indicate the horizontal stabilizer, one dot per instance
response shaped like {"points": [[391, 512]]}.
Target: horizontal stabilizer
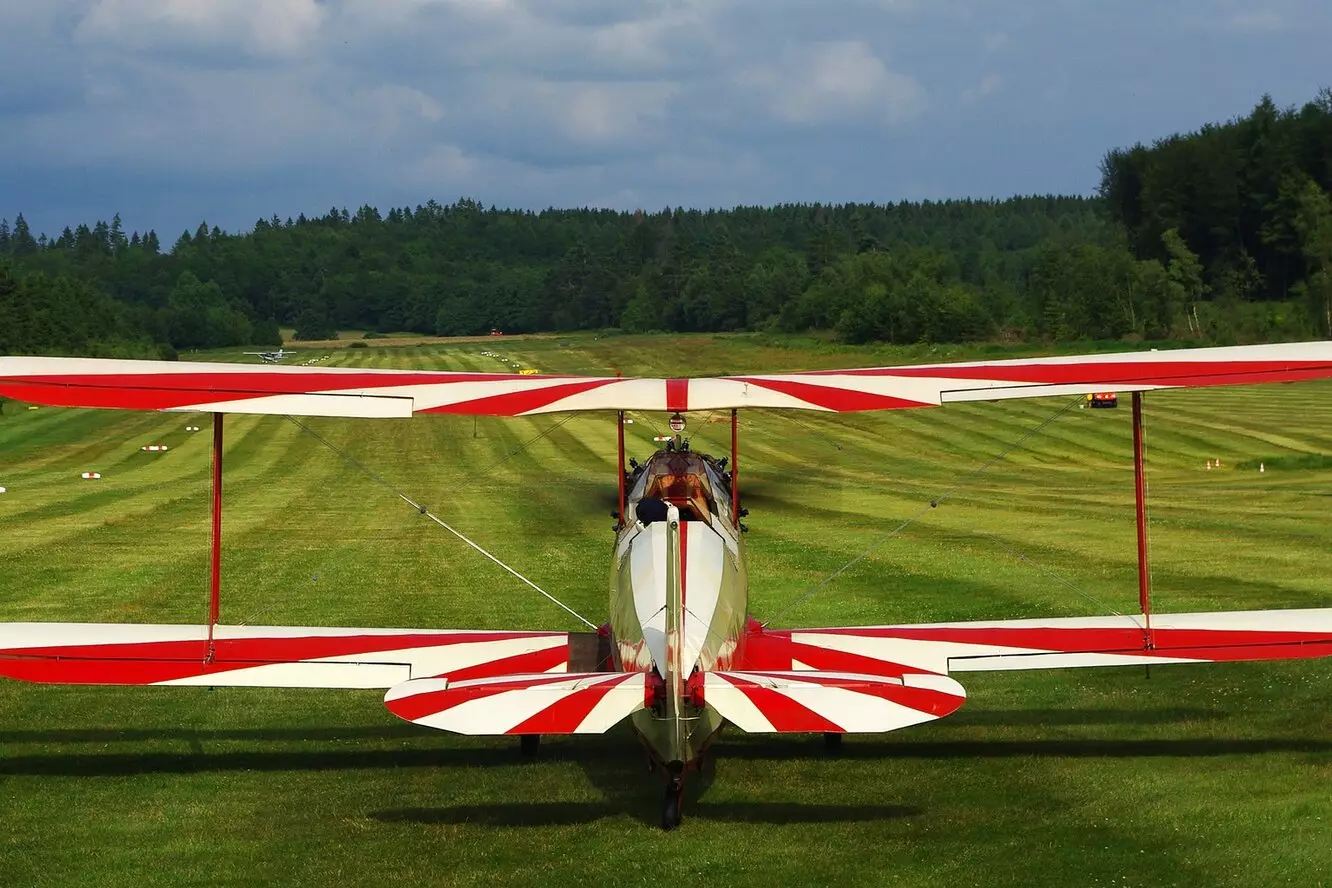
{"points": [[567, 703], [832, 702]]}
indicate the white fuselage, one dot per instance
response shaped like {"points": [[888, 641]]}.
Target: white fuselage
{"points": [[678, 596]]}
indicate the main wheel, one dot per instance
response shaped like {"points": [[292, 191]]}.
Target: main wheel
{"points": [[529, 744], [832, 743]]}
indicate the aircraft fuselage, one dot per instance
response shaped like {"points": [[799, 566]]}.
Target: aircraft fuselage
{"points": [[678, 597]]}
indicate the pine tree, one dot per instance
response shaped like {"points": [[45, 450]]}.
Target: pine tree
{"points": [[23, 243]]}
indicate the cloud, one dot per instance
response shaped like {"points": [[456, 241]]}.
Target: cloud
{"points": [[263, 27], [235, 109], [836, 81], [988, 86]]}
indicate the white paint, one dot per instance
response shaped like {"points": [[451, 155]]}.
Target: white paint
{"points": [[704, 569], [647, 575], [499, 713]]}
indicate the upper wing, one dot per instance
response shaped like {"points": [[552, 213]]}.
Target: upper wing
{"points": [[273, 656], [1048, 643], [334, 391]]}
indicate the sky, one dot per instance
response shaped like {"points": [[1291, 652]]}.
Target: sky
{"points": [[172, 112]]}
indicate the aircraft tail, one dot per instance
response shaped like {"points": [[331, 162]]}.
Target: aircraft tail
{"points": [[830, 702], [543, 703]]}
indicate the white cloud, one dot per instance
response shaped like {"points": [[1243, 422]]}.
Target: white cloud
{"points": [[989, 85], [834, 81], [263, 27]]}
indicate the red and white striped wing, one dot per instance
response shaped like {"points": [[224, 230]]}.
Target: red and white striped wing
{"points": [[832, 702], [1049, 643], [334, 391], [581, 703], [267, 656], [886, 388], [325, 391]]}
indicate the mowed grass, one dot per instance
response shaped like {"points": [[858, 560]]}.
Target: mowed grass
{"points": [[1192, 775]]}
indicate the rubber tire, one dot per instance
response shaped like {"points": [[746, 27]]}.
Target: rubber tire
{"points": [[671, 814]]}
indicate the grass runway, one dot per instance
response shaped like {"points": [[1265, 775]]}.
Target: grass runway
{"points": [[1192, 775]]}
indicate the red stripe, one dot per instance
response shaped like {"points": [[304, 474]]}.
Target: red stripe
{"points": [[677, 395], [783, 713], [841, 661], [516, 403], [149, 662], [839, 398], [1145, 372], [267, 382], [1089, 640], [418, 706], [521, 664], [567, 714], [159, 391], [928, 700], [776, 651]]}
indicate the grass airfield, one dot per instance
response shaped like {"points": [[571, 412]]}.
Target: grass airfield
{"points": [[1192, 775]]}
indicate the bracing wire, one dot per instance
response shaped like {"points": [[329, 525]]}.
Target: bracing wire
{"points": [[1027, 560], [933, 504], [391, 488]]}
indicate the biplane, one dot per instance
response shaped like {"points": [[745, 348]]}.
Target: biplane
{"points": [[679, 655]]}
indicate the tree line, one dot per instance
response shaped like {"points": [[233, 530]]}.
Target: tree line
{"points": [[1220, 235]]}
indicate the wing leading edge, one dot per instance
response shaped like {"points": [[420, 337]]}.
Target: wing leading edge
{"points": [[335, 391]]}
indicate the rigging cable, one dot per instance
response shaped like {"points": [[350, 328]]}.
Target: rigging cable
{"points": [[378, 479], [933, 504]]}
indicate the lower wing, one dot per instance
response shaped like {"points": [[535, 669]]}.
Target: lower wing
{"points": [[279, 656], [1048, 643]]}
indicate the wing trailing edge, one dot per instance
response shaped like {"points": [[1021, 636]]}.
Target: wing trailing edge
{"points": [[571, 703], [267, 656], [1055, 643], [829, 702]]}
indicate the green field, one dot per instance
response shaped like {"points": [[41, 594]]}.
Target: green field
{"points": [[1192, 775]]}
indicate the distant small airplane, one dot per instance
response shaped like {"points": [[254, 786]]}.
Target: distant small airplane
{"points": [[271, 357]]}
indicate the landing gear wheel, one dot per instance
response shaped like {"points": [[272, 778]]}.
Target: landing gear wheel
{"points": [[671, 807], [529, 744], [832, 743]]}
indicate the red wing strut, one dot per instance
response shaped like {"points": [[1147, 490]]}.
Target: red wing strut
{"points": [[334, 391]]}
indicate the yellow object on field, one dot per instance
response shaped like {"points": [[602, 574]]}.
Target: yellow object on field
{"points": [[528, 371]]}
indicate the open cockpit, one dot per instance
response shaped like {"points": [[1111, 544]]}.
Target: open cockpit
{"points": [[694, 483]]}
